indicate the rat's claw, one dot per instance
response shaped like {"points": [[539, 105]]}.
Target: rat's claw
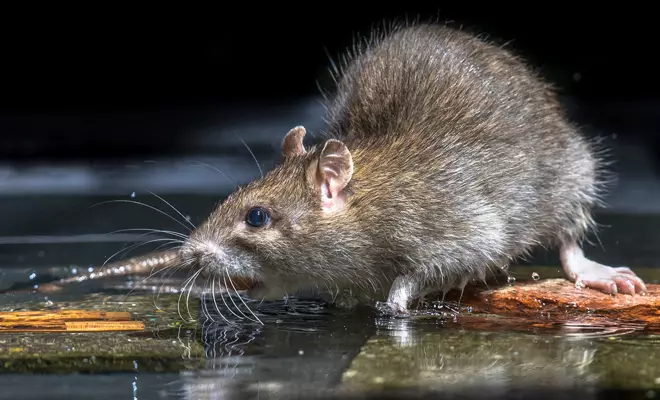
{"points": [[585, 272], [611, 280]]}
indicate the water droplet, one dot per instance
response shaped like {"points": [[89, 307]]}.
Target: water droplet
{"points": [[577, 77], [511, 279], [41, 254], [535, 276], [301, 352], [90, 269], [133, 195], [33, 275], [74, 270]]}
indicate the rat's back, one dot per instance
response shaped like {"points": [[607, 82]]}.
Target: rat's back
{"points": [[454, 126]]}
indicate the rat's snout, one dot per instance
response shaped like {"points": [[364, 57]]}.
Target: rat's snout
{"points": [[205, 254]]}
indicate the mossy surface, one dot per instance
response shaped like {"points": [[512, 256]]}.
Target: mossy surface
{"points": [[168, 344]]}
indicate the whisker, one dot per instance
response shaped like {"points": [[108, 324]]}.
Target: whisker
{"points": [[253, 157], [243, 301], [145, 205], [174, 208], [133, 247], [190, 289], [172, 241], [217, 170], [215, 302], [204, 307], [183, 290], [172, 271], [165, 232], [152, 274], [232, 298], [205, 311], [222, 297], [188, 296]]}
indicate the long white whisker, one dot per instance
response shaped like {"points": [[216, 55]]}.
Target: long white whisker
{"points": [[151, 275], [232, 299], [174, 208], [227, 305], [183, 290], [173, 271], [205, 310], [133, 247], [145, 205], [172, 241], [215, 302], [192, 285], [217, 170], [148, 231], [245, 304], [253, 157]]}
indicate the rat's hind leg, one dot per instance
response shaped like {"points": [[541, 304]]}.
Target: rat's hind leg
{"points": [[585, 272]]}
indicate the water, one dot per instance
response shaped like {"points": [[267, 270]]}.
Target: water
{"points": [[305, 348]]}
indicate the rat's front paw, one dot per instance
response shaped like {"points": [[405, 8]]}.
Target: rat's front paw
{"points": [[610, 280], [390, 309]]}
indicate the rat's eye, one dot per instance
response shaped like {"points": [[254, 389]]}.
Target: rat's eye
{"points": [[257, 217]]}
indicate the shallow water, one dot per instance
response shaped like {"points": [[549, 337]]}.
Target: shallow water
{"points": [[306, 349]]}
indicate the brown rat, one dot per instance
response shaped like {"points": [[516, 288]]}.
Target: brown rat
{"points": [[445, 157]]}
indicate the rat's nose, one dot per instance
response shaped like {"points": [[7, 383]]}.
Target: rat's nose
{"points": [[201, 252]]}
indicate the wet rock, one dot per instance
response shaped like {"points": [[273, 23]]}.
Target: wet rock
{"points": [[558, 300], [167, 344]]}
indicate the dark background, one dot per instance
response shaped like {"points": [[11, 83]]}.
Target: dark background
{"points": [[109, 103]]}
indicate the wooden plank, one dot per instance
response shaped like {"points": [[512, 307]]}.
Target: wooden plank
{"points": [[68, 321], [104, 326], [64, 315]]}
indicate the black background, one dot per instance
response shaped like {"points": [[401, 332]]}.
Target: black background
{"points": [[80, 64], [116, 101]]}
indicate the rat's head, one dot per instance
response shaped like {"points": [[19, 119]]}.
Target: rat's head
{"points": [[269, 230]]}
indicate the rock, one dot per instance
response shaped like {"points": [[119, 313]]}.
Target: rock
{"points": [[559, 301]]}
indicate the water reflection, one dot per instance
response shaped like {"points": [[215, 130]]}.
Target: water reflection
{"points": [[446, 357], [302, 343]]}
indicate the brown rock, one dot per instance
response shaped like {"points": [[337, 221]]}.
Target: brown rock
{"points": [[553, 301]]}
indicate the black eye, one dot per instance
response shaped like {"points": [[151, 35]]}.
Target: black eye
{"points": [[257, 217]]}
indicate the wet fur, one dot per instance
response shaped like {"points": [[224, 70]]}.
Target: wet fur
{"points": [[463, 162]]}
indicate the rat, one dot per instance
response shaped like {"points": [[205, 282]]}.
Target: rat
{"points": [[444, 157]]}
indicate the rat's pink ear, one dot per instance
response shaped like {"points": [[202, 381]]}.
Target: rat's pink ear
{"points": [[335, 170], [292, 145]]}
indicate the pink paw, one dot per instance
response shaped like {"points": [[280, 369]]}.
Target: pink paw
{"points": [[611, 280]]}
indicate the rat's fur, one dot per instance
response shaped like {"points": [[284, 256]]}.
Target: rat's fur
{"points": [[462, 158]]}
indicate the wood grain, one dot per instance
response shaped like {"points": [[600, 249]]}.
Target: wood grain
{"points": [[68, 321]]}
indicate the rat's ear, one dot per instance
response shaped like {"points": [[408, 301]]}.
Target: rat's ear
{"points": [[335, 170], [292, 145]]}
